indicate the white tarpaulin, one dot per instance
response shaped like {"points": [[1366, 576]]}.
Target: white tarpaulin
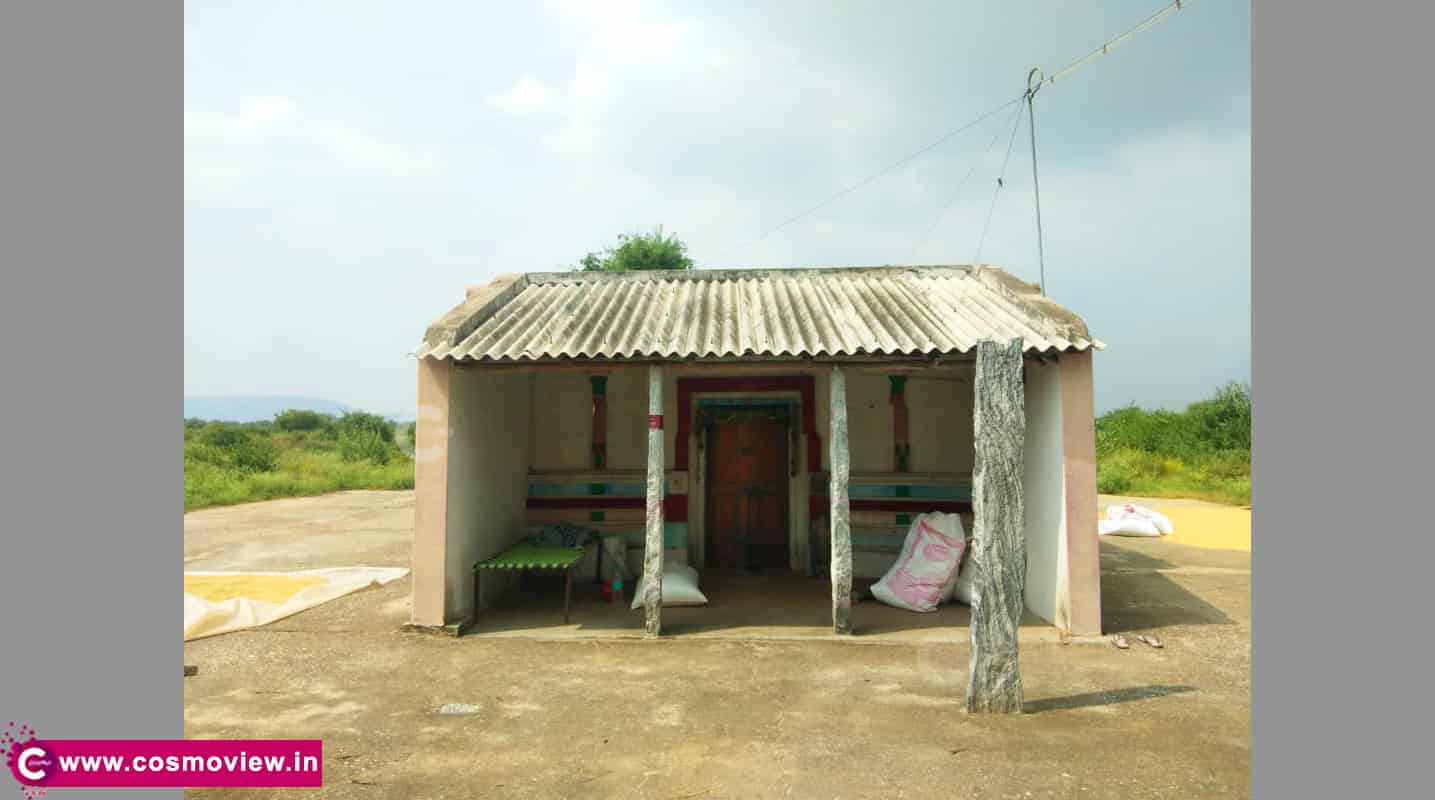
{"points": [[220, 602]]}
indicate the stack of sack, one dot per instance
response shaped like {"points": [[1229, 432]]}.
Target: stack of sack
{"points": [[928, 571], [1133, 520]]}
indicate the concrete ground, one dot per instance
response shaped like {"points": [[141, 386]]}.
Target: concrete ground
{"points": [[761, 708]]}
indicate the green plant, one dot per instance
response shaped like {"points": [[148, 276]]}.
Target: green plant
{"points": [[228, 445], [220, 461], [640, 251], [365, 445], [356, 422], [1202, 452], [296, 419]]}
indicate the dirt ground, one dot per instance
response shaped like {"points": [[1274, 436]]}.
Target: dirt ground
{"points": [[704, 714]]}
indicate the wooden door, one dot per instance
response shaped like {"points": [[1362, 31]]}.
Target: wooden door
{"points": [[747, 489]]}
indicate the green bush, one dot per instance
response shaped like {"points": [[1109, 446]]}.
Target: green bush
{"points": [[358, 422], [227, 463], [366, 445], [228, 445], [1202, 452], [296, 419]]}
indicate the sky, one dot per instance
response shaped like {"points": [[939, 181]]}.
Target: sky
{"points": [[351, 167]]}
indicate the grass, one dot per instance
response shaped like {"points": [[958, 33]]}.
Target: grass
{"points": [[228, 463], [1203, 452]]}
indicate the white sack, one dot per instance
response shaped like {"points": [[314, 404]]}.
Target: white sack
{"points": [[1134, 520], [927, 565], [964, 589], [680, 587]]}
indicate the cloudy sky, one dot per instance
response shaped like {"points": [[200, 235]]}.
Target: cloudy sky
{"points": [[351, 167]]}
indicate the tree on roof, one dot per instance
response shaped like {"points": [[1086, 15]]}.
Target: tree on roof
{"points": [[639, 251]]}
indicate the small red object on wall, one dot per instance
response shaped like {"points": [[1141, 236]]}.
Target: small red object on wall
{"points": [[655, 421]]}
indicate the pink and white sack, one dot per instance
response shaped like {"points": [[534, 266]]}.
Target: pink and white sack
{"points": [[1133, 520], [926, 568]]}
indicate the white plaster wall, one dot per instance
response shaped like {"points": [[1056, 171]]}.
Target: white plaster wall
{"points": [[562, 421], [939, 424], [489, 454], [869, 421], [1043, 485], [628, 417], [939, 421]]}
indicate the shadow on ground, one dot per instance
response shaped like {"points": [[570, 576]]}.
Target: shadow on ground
{"points": [[778, 604], [1090, 699], [1153, 584]]}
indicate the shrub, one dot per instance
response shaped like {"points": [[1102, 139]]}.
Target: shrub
{"points": [[1224, 421], [366, 445], [227, 463], [1202, 452], [358, 421], [227, 445], [296, 419]]}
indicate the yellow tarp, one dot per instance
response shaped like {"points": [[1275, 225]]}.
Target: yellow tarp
{"points": [[262, 588], [220, 602], [1213, 526]]}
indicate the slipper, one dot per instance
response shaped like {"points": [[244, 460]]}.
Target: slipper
{"points": [[1120, 642], [1150, 639]]}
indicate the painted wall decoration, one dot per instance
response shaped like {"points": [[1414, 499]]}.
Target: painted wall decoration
{"points": [[902, 448], [600, 421]]}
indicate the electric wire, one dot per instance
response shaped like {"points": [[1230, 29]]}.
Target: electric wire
{"points": [[870, 178], [1046, 80], [1001, 181], [1111, 44], [957, 192]]}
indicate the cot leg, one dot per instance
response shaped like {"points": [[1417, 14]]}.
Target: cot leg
{"points": [[477, 573], [567, 593]]}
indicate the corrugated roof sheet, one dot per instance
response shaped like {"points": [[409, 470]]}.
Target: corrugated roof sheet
{"points": [[728, 314]]}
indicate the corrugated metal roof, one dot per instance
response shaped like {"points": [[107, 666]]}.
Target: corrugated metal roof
{"points": [[728, 314]]}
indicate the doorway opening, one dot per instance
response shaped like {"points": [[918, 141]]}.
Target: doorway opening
{"points": [[748, 455]]}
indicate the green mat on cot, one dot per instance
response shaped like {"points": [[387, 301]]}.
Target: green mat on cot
{"points": [[526, 556]]}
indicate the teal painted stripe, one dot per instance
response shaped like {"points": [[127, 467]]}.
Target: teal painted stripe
{"points": [[755, 402], [897, 491], [675, 534], [587, 490]]}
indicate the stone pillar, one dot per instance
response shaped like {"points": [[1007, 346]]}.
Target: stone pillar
{"points": [[653, 543], [431, 435], [840, 514], [998, 545]]}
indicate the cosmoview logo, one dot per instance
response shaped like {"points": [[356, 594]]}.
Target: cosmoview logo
{"points": [[34, 763], [31, 760], [61, 763]]}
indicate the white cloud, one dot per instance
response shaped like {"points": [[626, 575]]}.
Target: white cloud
{"points": [[717, 121], [524, 97], [233, 156]]}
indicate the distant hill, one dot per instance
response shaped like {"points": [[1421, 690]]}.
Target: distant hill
{"points": [[255, 408]]}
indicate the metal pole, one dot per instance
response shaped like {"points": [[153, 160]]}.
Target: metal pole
{"points": [[1031, 90]]}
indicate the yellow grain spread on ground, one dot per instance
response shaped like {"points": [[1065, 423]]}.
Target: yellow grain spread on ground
{"points": [[261, 588], [1213, 526]]}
